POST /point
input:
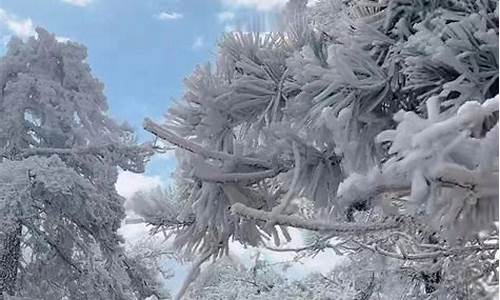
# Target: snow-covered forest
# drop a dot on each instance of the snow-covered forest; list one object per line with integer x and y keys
{"x": 364, "y": 129}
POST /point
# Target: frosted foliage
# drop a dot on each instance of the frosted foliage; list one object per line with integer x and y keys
{"x": 268, "y": 110}
{"x": 227, "y": 279}
{"x": 380, "y": 114}
{"x": 50, "y": 99}
{"x": 162, "y": 208}
{"x": 59, "y": 156}
{"x": 448, "y": 160}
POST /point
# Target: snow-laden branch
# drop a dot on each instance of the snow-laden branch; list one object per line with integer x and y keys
{"x": 293, "y": 187}
{"x": 442, "y": 152}
{"x": 470, "y": 113}
{"x": 8, "y": 297}
{"x": 434, "y": 254}
{"x": 193, "y": 273}
{"x": 317, "y": 246}
{"x": 185, "y": 144}
{"x": 55, "y": 246}
{"x": 78, "y": 150}
{"x": 219, "y": 177}
{"x": 294, "y": 221}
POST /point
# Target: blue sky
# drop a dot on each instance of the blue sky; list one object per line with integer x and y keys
{"x": 140, "y": 49}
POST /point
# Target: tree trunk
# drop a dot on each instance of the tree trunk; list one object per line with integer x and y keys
{"x": 10, "y": 251}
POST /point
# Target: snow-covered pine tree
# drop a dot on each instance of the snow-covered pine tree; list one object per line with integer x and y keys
{"x": 60, "y": 153}
{"x": 228, "y": 279}
{"x": 304, "y": 113}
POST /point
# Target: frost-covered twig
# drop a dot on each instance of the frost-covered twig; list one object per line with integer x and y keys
{"x": 185, "y": 144}
{"x": 77, "y": 150}
{"x": 193, "y": 273}
{"x": 8, "y": 297}
{"x": 318, "y": 246}
{"x": 468, "y": 114}
{"x": 235, "y": 177}
{"x": 292, "y": 189}
{"x": 431, "y": 255}
{"x": 294, "y": 221}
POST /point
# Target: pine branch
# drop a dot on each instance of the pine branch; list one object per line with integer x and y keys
{"x": 431, "y": 255}
{"x": 185, "y": 144}
{"x": 294, "y": 221}
{"x": 250, "y": 177}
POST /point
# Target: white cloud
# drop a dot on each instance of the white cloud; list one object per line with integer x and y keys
{"x": 129, "y": 183}
{"x": 167, "y": 16}
{"x": 62, "y": 39}
{"x": 257, "y": 4}
{"x": 80, "y": 3}
{"x": 22, "y": 28}
{"x": 225, "y": 16}
{"x": 198, "y": 43}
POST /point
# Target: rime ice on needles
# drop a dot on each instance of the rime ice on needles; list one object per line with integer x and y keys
{"x": 379, "y": 112}
{"x": 59, "y": 156}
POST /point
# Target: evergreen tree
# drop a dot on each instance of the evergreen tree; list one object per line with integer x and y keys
{"x": 383, "y": 115}
{"x": 60, "y": 153}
